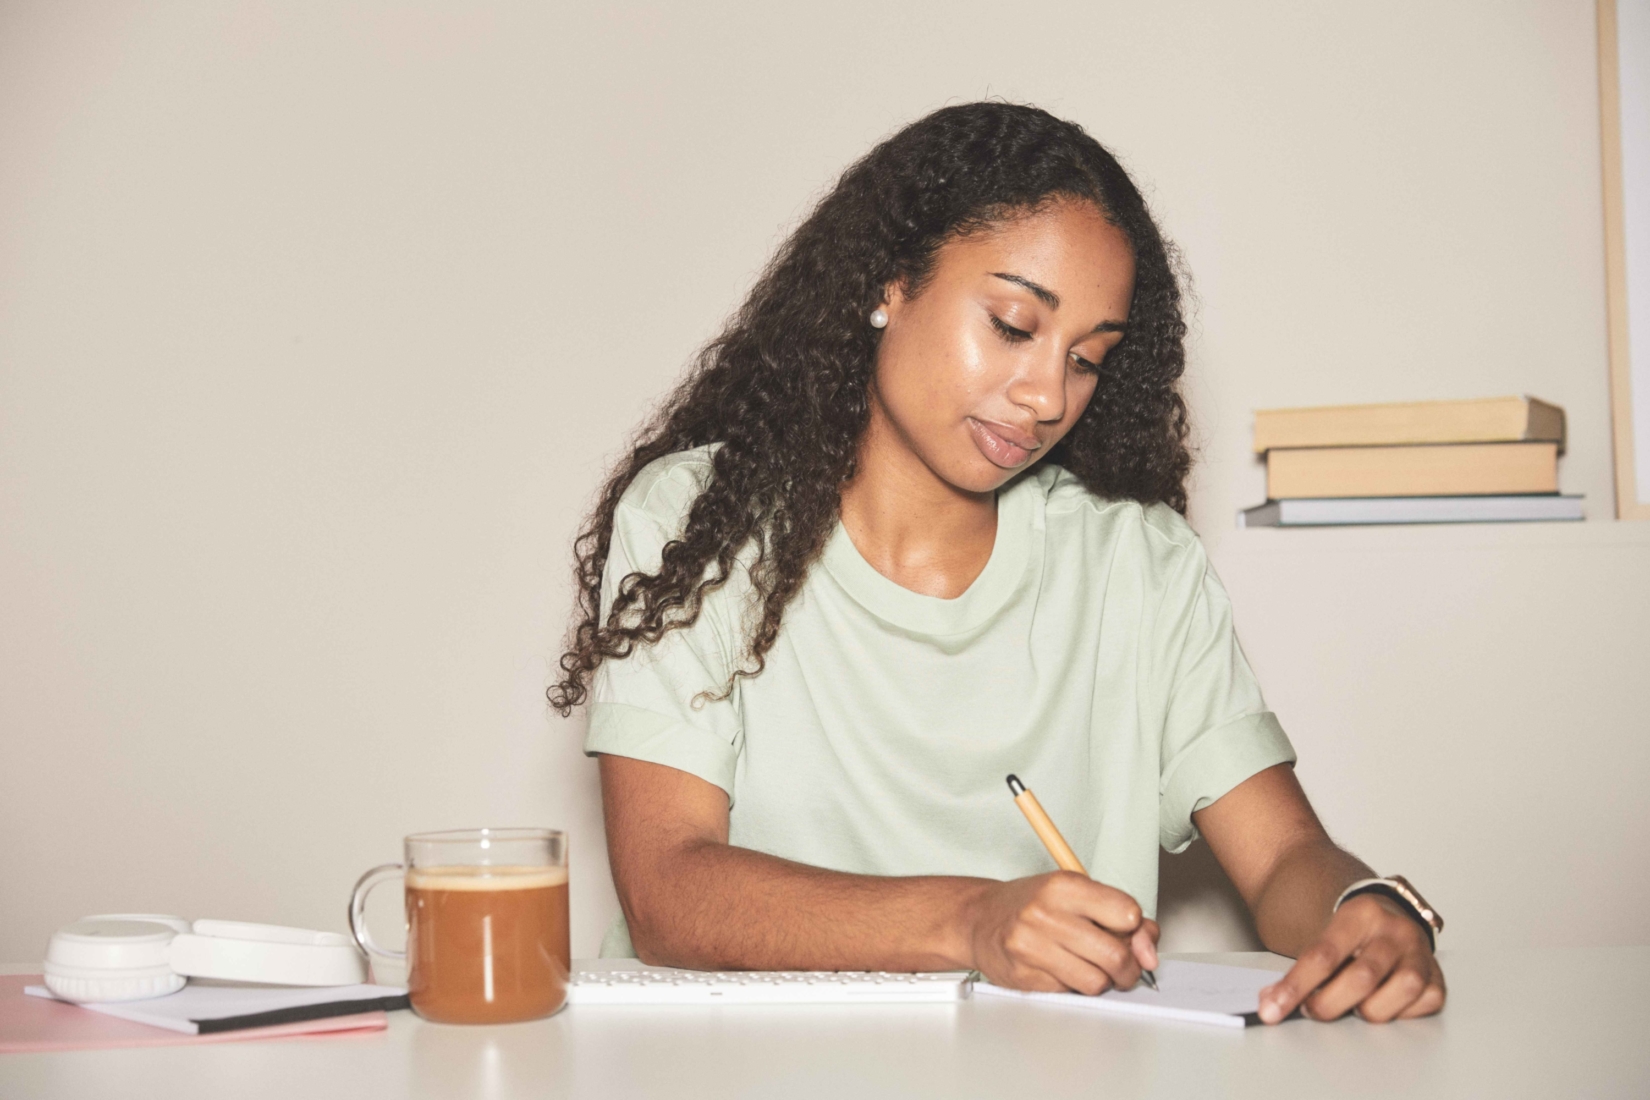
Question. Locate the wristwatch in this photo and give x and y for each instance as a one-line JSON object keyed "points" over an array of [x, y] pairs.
{"points": [[1397, 888]]}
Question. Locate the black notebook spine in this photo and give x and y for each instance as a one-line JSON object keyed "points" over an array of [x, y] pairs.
{"points": [[300, 1013]]}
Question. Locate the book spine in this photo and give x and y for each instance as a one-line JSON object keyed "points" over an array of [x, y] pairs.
{"points": [[1450, 470]]}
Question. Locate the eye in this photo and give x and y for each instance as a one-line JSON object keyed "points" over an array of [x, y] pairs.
{"points": [[1084, 365], [1007, 331]]}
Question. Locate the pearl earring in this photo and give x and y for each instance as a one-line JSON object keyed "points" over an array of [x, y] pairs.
{"points": [[879, 318]]}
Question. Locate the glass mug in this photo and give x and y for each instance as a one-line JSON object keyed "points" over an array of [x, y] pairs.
{"points": [[487, 937]]}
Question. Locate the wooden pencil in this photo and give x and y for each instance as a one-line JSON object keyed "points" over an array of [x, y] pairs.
{"points": [[1043, 826]]}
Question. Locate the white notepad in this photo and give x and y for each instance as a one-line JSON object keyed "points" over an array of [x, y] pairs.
{"points": [[1200, 993], [202, 1007]]}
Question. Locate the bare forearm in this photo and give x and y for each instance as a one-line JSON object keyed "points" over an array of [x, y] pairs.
{"points": [[1294, 905], [1275, 850], [714, 906], [693, 900]]}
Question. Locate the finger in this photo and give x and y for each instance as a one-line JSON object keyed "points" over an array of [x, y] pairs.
{"points": [[1068, 971], [1106, 906], [1080, 975], [1144, 943], [1431, 999], [1033, 979], [1311, 969], [1095, 946], [1356, 980], [1430, 1002], [1066, 947], [1402, 988]]}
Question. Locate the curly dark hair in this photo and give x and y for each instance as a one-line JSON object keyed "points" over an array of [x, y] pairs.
{"points": [[785, 389]]}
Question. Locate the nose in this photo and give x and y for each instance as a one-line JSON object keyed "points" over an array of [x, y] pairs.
{"points": [[1039, 387]]}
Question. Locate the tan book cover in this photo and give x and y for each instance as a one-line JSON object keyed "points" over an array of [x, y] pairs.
{"points": [[1458, 469], [1485, 420]]}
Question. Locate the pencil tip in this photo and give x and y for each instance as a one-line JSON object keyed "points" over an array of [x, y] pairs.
{"points": [[1016, 786]]}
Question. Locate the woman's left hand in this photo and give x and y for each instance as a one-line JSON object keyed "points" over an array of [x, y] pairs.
{"points": [[1373, 957]]}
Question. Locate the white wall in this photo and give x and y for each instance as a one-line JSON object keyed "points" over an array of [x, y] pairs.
{"points": [[319, 321]]}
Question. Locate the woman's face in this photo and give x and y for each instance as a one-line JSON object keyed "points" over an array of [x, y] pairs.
{"points": [[988, 367]]}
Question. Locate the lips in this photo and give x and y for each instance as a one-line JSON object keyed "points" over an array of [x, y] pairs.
{"points": [[1002, 445]]}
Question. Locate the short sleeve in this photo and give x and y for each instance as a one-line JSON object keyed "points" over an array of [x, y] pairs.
{"points": [[661, 703], [1217, 730]]}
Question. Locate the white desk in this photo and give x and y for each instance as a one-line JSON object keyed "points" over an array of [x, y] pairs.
{"points": [[1586, 1034]]}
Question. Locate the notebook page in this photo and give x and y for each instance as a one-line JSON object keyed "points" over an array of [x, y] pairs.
{"points": [[1196, 992]]}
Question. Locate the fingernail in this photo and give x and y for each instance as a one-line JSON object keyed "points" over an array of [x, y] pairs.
{"points": [[1269, 1012]]}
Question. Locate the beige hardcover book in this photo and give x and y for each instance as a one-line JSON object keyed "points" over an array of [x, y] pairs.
{"points": [[1488, 420], [1455, 469]]}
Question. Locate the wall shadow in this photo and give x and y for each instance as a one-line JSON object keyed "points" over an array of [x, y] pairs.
{"points": [[1198, 907]]}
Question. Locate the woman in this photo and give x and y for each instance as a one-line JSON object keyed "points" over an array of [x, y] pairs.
{"points": [[913, 522]]}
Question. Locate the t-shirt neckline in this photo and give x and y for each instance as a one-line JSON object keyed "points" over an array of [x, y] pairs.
{"points": [[913, 611]]}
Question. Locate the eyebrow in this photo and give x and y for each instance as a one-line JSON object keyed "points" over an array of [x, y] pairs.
{"points": [[1044, 294], [1052, 300]]}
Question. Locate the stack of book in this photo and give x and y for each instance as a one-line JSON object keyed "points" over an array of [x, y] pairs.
{"points": [[1484, 461]]}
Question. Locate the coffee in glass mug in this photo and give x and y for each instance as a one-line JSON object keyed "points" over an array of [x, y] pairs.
{"points": [[487, 930]]}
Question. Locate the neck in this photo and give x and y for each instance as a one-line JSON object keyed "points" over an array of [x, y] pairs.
{"points": [[912, 526]]}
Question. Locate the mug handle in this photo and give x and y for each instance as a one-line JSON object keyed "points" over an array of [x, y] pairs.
{"points": [[358, 904]]}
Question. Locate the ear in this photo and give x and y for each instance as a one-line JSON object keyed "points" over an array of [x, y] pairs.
{"points": [[894, 298]]}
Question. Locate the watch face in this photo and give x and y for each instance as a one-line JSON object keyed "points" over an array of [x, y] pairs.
{"points": [[1428, 913]]}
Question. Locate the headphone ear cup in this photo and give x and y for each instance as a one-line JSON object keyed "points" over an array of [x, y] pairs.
{"points": [[119, 958], [94, 988]]}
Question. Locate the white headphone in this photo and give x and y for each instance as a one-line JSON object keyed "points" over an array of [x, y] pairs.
{"points": [[133, 956]]}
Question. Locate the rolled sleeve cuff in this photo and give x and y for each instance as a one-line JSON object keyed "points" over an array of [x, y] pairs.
{"points": [[619, 729], [1213, 764]]}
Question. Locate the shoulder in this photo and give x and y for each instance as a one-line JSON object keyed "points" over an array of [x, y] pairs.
{"points": [[1074, 510], [1150, 547], [653, 510], [666, 488]]}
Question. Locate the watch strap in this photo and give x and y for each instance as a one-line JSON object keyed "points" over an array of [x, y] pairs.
{"points": [[1408, 898]]}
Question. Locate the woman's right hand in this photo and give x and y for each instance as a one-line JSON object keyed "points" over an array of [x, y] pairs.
{"points": [[1060, 932]]}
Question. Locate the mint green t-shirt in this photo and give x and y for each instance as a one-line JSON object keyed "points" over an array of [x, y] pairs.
{"points": [[1094, 657]]}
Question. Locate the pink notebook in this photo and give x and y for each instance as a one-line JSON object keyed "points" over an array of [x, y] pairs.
{"points": [[29, 1024]]}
